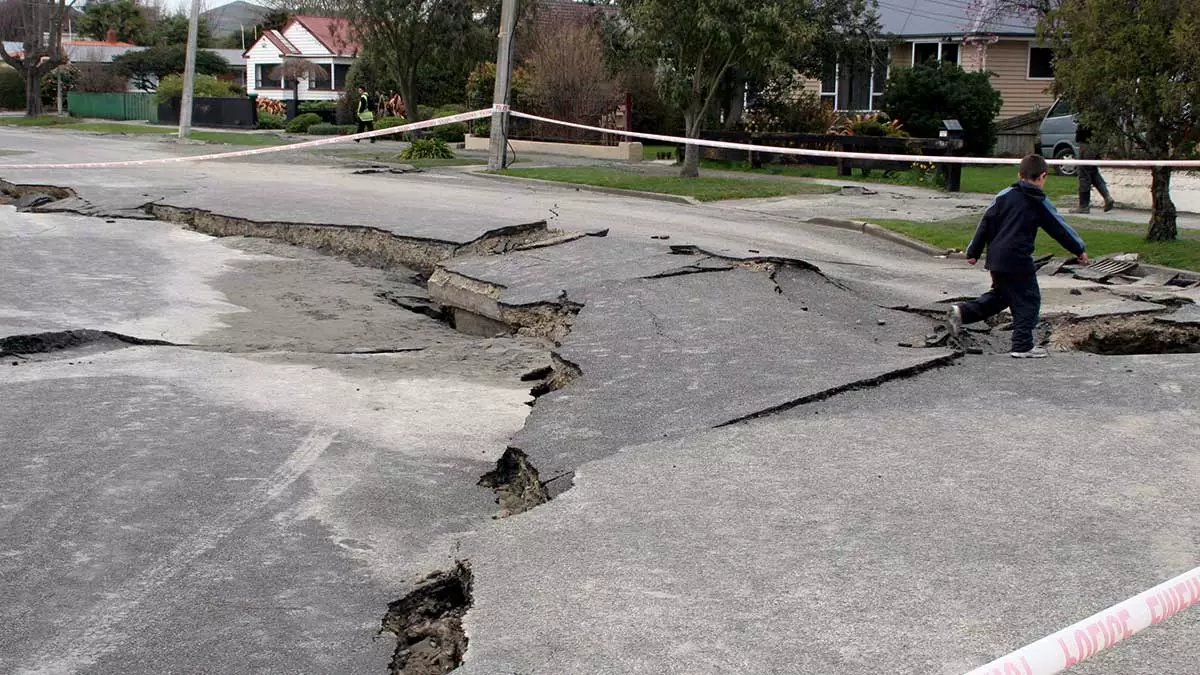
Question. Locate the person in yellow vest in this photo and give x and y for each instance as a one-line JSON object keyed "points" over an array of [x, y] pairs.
{"points": [[366, 117]]}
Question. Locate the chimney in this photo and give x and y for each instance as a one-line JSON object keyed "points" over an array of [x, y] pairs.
{"points": [[110, 35]]}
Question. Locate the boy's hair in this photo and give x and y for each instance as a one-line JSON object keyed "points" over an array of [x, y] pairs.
{"points": [[1033, 166]]}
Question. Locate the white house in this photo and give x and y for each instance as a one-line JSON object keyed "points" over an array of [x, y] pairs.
{"points": [[322, 40]]}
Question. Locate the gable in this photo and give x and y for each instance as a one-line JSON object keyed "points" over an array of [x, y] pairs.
{"points": [[304, 40]]}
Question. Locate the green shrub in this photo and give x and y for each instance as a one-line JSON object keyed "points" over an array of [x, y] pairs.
{"points": [[12, 89], [389, 122], [208, 86], [323, 129], [451, 133], [317, 106], [924, 95], [450, 109], [426, 111], [270, 121], [428, 148], [482, 128], [301, 123]]}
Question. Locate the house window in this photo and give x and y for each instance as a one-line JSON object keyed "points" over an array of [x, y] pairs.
{"points": [[340, 71], [320, 80], [265, 81], [858, 87], [829, 85], [935, 51], [1041, 63]]}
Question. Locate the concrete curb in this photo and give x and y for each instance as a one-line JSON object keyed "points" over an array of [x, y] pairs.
{"points": [[880, 233], [676, 199]]}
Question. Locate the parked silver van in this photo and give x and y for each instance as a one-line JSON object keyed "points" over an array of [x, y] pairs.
{"points": [[1056, 136]]}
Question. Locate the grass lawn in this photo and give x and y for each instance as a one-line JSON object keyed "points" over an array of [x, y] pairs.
{"points": [[73, 124], [650, 152], [705, 188], [986, 179], [1103, 237]]}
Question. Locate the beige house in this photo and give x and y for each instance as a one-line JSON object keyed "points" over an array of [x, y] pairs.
{"points": [[922, 30]]}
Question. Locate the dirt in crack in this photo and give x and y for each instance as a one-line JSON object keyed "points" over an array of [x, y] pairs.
{"points": [[43, 343], [1120, 336], [428, 626], [516, 483]]}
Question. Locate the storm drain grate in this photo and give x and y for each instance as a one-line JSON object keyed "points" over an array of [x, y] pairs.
{"points": [[1104, 269]]}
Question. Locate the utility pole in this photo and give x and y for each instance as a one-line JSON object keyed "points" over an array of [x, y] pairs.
{"points": [[498, 146], [189, 74]]}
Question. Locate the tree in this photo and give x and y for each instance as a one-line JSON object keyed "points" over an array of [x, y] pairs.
{"points": [[694, 44], [402, 35], [173, 30], [1132, 70], [147, 67], [291, 70], [124, 17], [37, 24], [568, 77], [922, 96]]}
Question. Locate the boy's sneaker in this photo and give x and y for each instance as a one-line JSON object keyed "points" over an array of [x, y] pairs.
{"points": [[954, 320], [1035, 353]]}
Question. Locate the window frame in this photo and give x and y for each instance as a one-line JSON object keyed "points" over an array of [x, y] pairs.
{"points": [[1029, 63], [940, 43]]}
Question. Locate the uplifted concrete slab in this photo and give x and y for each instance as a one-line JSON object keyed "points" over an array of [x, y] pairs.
{"points": [[543, 275], [1188, 315], [674, 355], [923, 527]]}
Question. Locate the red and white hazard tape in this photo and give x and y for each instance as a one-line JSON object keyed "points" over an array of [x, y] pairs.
{"points": [[464, 117], [1059, 651]]}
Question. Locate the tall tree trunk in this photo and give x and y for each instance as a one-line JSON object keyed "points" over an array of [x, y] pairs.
{"points": [[33, 92], [1162, 216], [737, 102], [691, 153]]}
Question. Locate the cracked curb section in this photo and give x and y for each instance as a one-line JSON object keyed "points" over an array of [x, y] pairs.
{"points": [[427, 623]]}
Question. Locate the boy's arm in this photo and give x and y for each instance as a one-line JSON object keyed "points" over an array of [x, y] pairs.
{"points": [[1054, 224], [983, 235]]}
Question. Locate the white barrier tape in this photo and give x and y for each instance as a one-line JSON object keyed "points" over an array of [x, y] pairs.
{"points": [[924, 159], [1073, 644], [464, 117]]}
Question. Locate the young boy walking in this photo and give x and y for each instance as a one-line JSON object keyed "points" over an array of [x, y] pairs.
{"points": [[1007, 230]]}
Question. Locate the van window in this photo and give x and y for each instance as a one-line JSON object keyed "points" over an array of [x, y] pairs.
{"points": [[1061, 109]]}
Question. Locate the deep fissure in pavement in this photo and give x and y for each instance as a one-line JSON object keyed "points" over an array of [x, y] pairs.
{"points": [[516, 482], [367, 245], [1127, 335], [43, 343], [427, 623]]}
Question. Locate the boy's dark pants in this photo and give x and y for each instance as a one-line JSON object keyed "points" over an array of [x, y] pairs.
{"points": [[1016, 291]]}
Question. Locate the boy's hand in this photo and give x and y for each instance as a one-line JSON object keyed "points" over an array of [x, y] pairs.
{"points": [[972, 261], [1084, 259]]}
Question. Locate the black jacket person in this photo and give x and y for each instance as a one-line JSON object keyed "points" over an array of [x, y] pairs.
{"points": [[1007, 232]]}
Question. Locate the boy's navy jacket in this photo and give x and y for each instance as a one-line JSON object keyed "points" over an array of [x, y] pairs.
{"points": [[1010, 225]]}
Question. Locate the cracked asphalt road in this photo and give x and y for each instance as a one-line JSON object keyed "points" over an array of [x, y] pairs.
{"points": [[251, 502]]}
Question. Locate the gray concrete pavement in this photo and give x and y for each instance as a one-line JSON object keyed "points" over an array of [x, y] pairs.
{"points": [[256, 499], [252, 509], [926, 526]]}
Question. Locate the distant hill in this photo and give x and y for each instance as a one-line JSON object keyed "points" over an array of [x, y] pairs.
{"points": [[227, 19]]}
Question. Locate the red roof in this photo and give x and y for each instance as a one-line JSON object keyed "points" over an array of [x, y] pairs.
{"points": [[333, 33], [281, 43]]}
